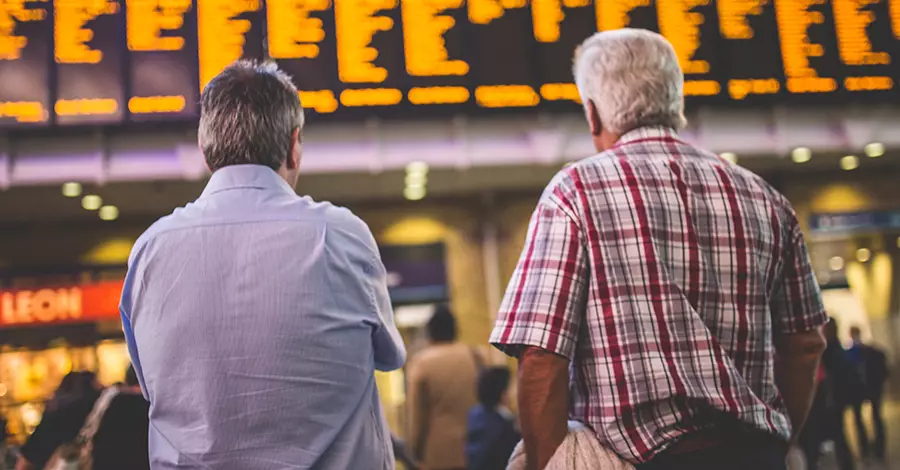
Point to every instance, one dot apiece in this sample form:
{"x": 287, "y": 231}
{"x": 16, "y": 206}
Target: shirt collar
{"x": 653, "y": 133}
{"x": 245, "y": 176}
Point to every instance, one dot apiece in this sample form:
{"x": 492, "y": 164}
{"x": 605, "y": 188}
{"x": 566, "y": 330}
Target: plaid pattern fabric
{"x": 663, "y": 273}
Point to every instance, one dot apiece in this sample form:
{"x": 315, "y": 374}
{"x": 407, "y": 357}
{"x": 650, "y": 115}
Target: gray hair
{"x": 633, "y": 78}
{"x": 248, "y": 114}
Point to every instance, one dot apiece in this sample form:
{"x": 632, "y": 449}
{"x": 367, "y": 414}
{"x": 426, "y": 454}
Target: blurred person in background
{"x": 63, "y": 419}
{"x": 441, "y": 389}
{"x": 121, "y": 439}
{"x": 256, "y": 318}
{"x": 871, "y": 363}
{"x": 667, "y": 280}
{"x": 492, "y": 433}
{"x": 840, "y": 386}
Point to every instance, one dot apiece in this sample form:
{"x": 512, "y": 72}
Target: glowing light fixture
{"x": 874, "y": 149}
{"x": 109, "y": 213}
{"x": 801, "y": 155}
{"x": 836, "y": 263}
{"x": 414, "y": 193}
{"x": 417, "y": 168}
{"x": 91, "y": 202}
{"x": 416, "y": 179}
{"x": 863, "y": 255}
{"x": 849, "y": 162}
{"x": 729, "y": 157}
{"x": 71, "y": 189}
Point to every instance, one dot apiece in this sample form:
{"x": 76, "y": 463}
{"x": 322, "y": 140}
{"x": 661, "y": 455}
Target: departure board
{"x": 88, "y": 52}
{"x": 26, "y": 36}
{"x": 105, "y": 62}
{"x": 162, "y": 46}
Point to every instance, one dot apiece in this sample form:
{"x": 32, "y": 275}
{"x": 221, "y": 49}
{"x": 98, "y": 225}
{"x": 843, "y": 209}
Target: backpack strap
{"x": 92, "y": 423}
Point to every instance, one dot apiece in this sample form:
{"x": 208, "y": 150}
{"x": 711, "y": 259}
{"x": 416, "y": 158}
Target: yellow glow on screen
{"x": 485, "y": 11}
{"x": 506, "y": 96}
{"x": 439, "y": 95}
{"x": 70, "y": 33}
{"x": 151, "y": 22}
{"x": 292, "y": 32}
{"x": 794, "y": 20}
{"x": 371, "y": 97}
{"x": 423, "y": 33}
{"x": 681, "y": 26}
{"x": 220, "y": 35}
{"x": 733, "y": 21}
{"x": 86, "y": 107}
{"x": 23, "y": 111}
{"x": 615, "y": 14}
{"x": 701, "y": 88}
{"x": 11, "y": 12}
{"x": 356, "y": 24}
{"x": 547, "y": 16}
{"x": 323, "y": 101}
{"x": 560, "y": 92}
{"x": 868, "y": 83}
{"x": 740, "y": 89}
{"x": 156, "y": 104}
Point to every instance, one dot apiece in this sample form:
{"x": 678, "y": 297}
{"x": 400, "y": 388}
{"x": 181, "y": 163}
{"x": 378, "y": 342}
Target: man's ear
{"x": 293, "y": 159}
{"x": 594, "y": 119}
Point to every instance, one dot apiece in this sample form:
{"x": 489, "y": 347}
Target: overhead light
{"x": 849, "y": 162}
{"x": 729, "y": 157}
{"x": 801, "y": 155}
{"x": 71, "y": 189}
{"x": 91, "y": 202}
{"x": 414, "y": 193}
{"x": 874, "y": 149}
{"x": 416, "y": 179}
{"x": 836, "y": 263}
{"x": 863, "y": 255}
{"x": 417, "y": 168}
{"x": 109, "y": 213}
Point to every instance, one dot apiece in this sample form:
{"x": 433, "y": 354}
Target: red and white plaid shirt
{"x": 664, "y": 274}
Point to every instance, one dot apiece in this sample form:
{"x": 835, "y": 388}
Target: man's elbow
{"x": 803, "y": 347}
{"x": 393, "y": 360}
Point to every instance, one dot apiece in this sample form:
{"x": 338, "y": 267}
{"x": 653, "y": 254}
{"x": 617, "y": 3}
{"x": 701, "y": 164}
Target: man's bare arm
{"x": 796, "y": 366}
{"x": 543, "y": 404}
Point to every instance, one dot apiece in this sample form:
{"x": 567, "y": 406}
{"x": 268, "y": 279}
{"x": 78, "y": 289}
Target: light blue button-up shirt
{"x": 256, "y": 319}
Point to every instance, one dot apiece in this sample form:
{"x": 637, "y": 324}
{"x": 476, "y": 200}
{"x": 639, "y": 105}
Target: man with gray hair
{"x": 256, "y": 318}
{"x": 664, "y": 296}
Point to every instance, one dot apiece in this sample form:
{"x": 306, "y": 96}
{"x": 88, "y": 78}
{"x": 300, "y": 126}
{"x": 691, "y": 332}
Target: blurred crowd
{"x": 458, "y": 412}
{"x": 847, "y": 379}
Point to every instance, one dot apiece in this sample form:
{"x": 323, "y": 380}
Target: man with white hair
{"x": 658, "y": 285}
{"x": 256, "y": 318}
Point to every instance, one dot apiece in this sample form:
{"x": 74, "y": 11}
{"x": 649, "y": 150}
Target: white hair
{"x": 633, "y": 78}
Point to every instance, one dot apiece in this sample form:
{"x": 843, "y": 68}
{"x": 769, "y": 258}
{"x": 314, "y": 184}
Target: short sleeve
{"x": 797, "y": 302}
{"x": 545, "y": 300}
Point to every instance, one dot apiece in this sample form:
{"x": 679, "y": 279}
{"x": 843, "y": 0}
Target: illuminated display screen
{"x": 88, "y": 53}
{"x": 109, "y": 61}
{"x": 162, "y": 44}
{"x": 26, "y": 34}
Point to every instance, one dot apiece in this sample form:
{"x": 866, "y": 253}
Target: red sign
{"x": 84, "y": 303}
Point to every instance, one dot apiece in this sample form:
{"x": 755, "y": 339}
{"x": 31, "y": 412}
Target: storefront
{"x": 49, "y": 329}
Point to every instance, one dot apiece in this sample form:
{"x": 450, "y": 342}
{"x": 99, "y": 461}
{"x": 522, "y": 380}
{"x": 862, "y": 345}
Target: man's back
{"x": 681, "y": 260}
{"x": 258, "y": 319}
